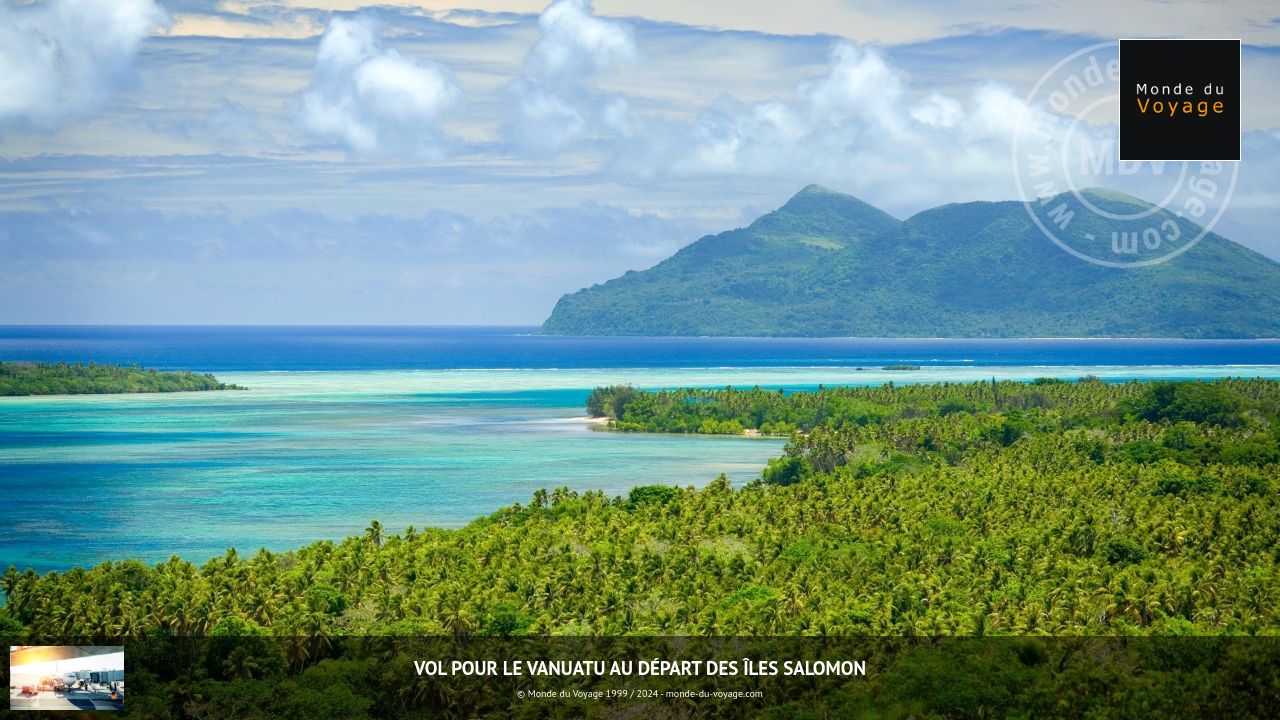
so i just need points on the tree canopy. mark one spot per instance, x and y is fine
(37, 378)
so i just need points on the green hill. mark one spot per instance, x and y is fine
(827, 264)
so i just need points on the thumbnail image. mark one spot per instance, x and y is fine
(66, 677)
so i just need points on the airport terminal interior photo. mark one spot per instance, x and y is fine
(66, 677)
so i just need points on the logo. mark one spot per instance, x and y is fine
(1083, 197)
(1180, 99)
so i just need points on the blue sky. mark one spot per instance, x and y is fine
(316, 161)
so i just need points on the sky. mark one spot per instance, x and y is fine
(430, 162)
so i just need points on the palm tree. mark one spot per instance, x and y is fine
(374, 533)
(241, 664)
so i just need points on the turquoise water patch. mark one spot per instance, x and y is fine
(93, 478)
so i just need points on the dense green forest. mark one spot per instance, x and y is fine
(830, 265)
(37, 378)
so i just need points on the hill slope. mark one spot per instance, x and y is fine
(827, 264)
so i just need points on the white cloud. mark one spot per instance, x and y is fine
(373, 100)
(937, 111)
(556, 104)
(574, 44)
(859, 86)
(61, 59)
(860, 127)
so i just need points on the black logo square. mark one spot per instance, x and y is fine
(1180, 99)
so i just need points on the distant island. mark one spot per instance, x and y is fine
(38, 378)
(830, 265)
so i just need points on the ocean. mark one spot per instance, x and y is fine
(423, 426)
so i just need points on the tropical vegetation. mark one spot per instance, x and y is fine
(38, 378)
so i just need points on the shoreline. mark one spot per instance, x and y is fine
(603, 423)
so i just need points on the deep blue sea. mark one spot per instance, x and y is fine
(423, 426)
(440, 348)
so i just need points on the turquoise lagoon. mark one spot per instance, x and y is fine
(304, 456)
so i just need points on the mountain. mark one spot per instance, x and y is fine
(827, 264)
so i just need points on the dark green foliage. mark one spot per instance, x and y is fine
(651, 494)
(595, 403)
(784, 470)
(33, 378)
(241, 649)
(955, 406)
(1143, 452)
(9, 625)
(826, 264)
(1250, 483)
(1123, 551)
(506, 620)
(997, 413)
(1254, 450)
(773, 412)
(610, 402)
(1181, 484)
(232, 626)
(326, 599)
(1208, 403)
(1008, 430)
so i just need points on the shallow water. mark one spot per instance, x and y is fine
(94, 478)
